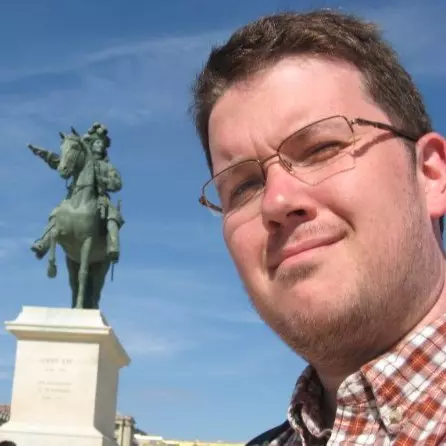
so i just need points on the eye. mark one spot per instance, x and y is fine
(322, 152)
(243, 191)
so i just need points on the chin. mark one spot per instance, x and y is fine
(317, 327)
(308, 301)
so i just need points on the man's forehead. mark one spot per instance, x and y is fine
(278, 100)
(305, 82)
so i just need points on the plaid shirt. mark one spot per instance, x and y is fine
(398, 398)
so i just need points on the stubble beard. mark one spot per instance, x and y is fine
(364, 318)
(333, 333)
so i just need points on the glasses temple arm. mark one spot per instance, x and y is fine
(382, 126)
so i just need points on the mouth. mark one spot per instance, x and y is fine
(302, 250)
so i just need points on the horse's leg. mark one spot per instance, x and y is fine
(52, 268)
(73, 277)
(83, 271)
(88, 294)
(98, 273)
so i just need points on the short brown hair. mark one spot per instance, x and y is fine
(322, 33)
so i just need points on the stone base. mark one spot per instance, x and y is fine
(65, 379)
(26, 435)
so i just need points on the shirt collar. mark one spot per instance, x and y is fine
(385, 388)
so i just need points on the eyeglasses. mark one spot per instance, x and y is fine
(312, 154)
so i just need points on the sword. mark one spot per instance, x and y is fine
(113, 263)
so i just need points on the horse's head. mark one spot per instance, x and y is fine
(73, 155)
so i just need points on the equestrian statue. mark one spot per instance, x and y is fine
(85, 224)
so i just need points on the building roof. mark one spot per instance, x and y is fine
(4, 413)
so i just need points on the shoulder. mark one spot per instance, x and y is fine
(267, 437)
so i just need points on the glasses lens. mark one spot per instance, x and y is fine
(319, 150)
(235, 186)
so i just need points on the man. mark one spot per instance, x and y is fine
(108, 180)
(332, 186)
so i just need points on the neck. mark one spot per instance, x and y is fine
(83, 184)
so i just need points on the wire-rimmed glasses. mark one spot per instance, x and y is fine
(312, 154)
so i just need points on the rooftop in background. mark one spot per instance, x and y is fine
(136, 436)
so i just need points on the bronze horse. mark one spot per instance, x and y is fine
(78, 227)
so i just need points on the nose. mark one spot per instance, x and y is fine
(286, 199)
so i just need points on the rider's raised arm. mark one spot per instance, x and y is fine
(52, 159)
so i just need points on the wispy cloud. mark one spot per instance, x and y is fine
(144, 343)
(116, 84)
(165, 47)
(176, 309)
(159, 283)
(11, 246)
(168, 394)
(235, 317)
(183, 297)
(181, 235)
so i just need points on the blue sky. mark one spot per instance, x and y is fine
(203, 365)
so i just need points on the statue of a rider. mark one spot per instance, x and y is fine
(108, 180)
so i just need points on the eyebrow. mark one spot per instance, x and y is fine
(232, 161)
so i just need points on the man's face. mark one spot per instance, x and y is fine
(333, 267)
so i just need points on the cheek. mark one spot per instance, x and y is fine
(374, 198)
(245, 243)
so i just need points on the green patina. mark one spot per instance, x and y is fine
(85, 224)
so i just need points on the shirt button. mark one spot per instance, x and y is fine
(394, 416)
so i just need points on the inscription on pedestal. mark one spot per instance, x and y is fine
(53, 384)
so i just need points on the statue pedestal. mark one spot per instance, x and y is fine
(65, 380)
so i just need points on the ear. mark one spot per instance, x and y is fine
(431, 160)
